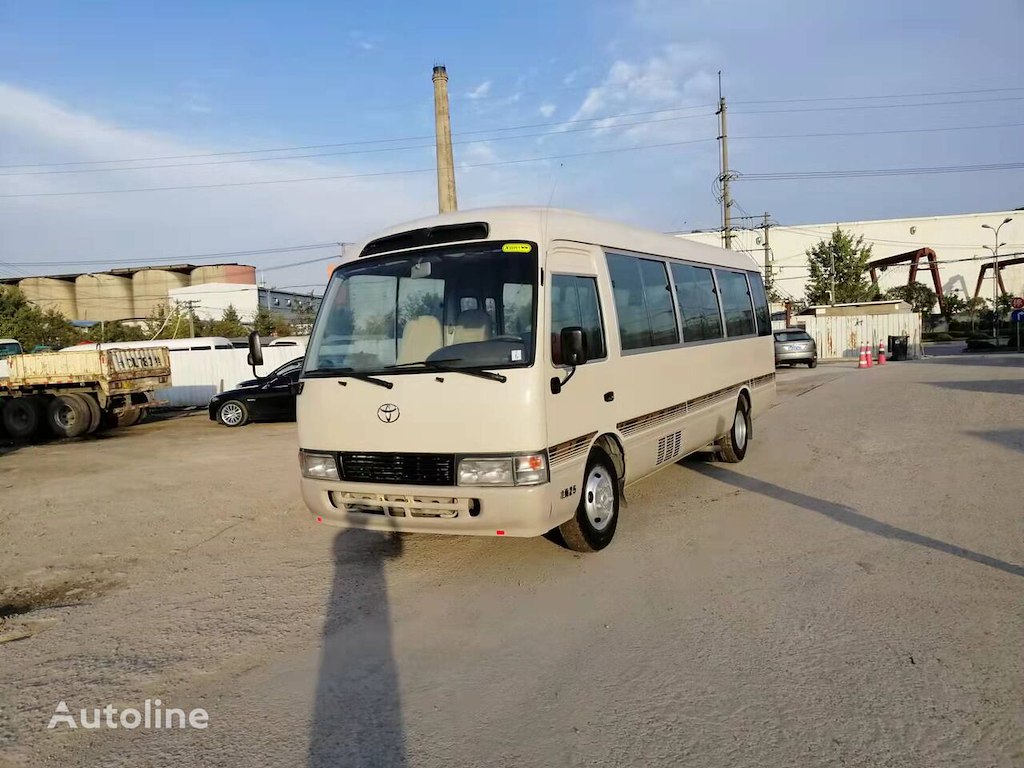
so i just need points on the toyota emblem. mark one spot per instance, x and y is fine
(388, 413)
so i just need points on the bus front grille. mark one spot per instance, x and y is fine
(399, 468)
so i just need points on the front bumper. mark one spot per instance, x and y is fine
(471, 511)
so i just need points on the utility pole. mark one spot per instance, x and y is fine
(767, 258)
(190, 305)
(723, 138)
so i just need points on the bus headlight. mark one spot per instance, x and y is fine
(318, 466)
(504, 470)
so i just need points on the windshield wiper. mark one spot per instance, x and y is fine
(350, 373)
(433, 366)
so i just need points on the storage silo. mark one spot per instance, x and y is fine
(104, 297)
(150, 287)
(224, 273)
(49, 293)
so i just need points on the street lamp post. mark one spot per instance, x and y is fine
(995, 276)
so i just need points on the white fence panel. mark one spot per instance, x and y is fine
(839, 337)
(198, 376)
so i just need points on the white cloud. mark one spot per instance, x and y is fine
(361, 40)
(670, 79)
(480, 91)
(547, 110)
(145, 225)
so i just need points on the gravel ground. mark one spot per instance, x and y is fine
(851, 594)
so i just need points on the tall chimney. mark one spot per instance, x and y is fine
(443, 130)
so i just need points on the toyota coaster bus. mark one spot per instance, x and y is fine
(509, 371)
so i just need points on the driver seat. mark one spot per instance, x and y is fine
(472, 325)
(420, 338)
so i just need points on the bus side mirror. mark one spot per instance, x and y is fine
(574, 353)
(573, 346)
(255, 350)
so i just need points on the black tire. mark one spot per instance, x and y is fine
(21, 417)
(95, 414)
(592, 527)
(732, 446)
(68, 416)
(813, 363)
(228, 418)
(129, 418)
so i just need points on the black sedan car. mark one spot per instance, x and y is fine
(269, 398)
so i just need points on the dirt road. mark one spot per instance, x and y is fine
(851, 594)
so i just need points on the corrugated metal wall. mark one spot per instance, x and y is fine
(839, 338)
(198, 376)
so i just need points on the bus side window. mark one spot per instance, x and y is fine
(574, 302)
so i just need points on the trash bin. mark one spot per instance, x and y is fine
(898, 346)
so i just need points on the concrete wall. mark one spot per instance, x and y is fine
(47, 293)
(104, 297)
(956, 240)
(214, 298)
(224, 273)
(150, 289)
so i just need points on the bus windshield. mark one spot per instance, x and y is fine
(458, 306)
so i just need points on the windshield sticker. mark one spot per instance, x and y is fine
(516, 248)
(517, 355)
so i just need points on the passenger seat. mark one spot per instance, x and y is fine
(473, 325)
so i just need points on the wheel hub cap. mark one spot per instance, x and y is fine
(739, 429)
(231, 414)
(599, 498)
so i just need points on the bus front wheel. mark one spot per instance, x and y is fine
(593, 526)
(732, 446)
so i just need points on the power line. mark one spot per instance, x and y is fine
(179, 259)
(375, 141)
(405, 172)
(877, 106)
(875, 133)
(352, 151)
(848, 174)
(887, 96)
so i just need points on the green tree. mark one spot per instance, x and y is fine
(115, 331)
(840, 261)
(952, 305)
(919, 296)
(230, 325)
(269, 323)
(32, 326)
(973, 308)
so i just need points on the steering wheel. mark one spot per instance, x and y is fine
(506, 338)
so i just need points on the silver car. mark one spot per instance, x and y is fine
(795, 345)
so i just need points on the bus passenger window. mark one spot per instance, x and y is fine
(761, 310)
(739, 312)
(574, 303)
(643, 302)
(698, 303)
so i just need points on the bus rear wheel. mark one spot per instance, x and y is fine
(593, 526)
(732, 446)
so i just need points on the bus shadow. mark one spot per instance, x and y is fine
(357, 716)
(849, 516)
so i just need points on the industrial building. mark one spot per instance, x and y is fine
(137, 293)
(946, 253)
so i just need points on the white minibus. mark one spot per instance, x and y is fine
(509, 371)
(198, 344)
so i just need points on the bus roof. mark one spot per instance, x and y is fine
(546, 224)
(203, 342)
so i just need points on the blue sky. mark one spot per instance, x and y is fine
(99, 81)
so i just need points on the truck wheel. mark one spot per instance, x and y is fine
(733, 445)
(68, 416)
(21, 417)
(95, 414)
(593, 526)
(129, 418)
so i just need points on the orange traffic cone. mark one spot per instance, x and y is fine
(881, 353)
(867, 349)
(863, 357)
